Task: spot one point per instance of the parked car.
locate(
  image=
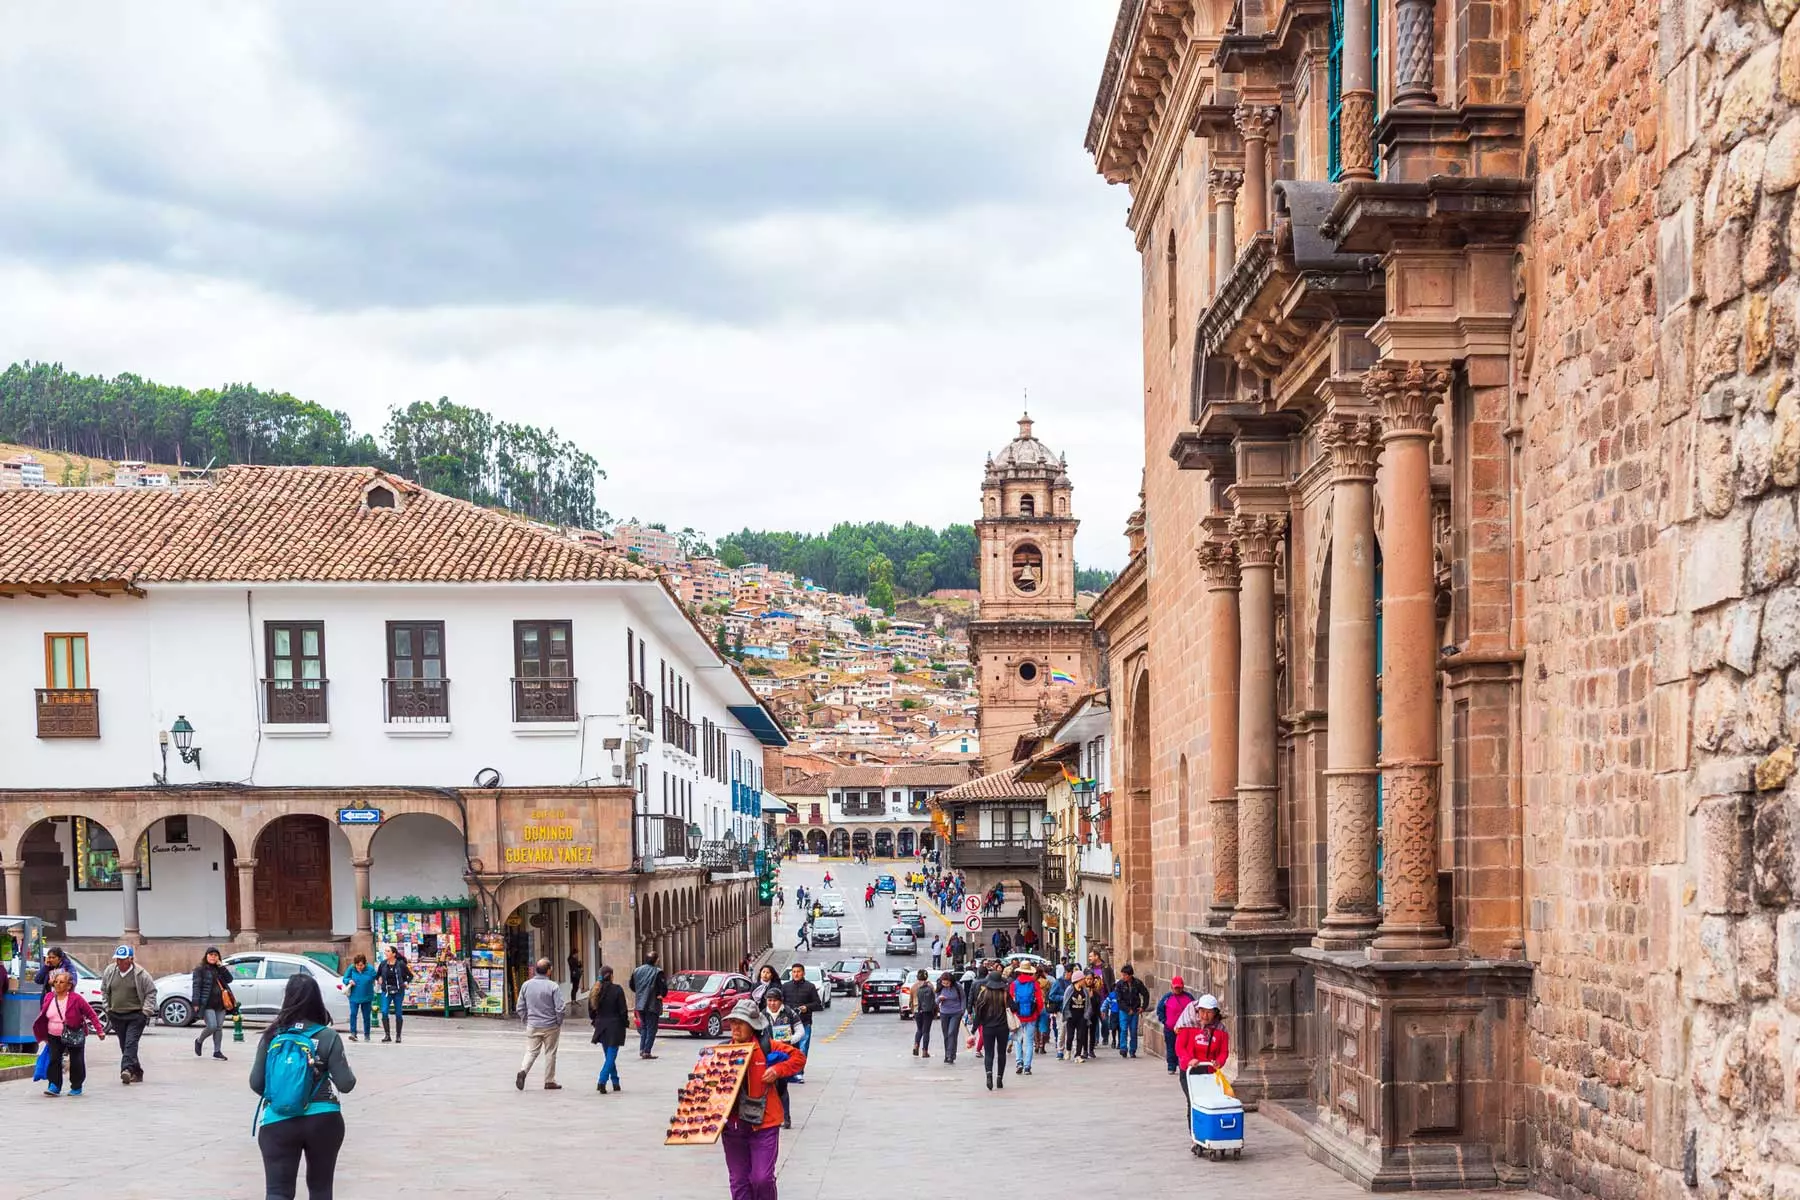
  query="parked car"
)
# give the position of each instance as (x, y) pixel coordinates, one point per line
(900, 940)
(698, 1001)
(847, 974)
(832, 904)
(884, 883)
(914, 921)
(259, 981)
(882, 988)
(1042, 964)
(87, 980)
(816, 973)
(827, 932)
(905, 902)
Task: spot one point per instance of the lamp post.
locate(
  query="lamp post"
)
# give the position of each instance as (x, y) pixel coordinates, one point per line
(183, 734)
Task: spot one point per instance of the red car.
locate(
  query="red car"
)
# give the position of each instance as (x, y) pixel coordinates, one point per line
(698, 1001)
(847, 975)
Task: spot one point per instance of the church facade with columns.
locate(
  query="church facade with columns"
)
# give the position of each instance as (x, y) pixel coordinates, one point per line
(1455, 741)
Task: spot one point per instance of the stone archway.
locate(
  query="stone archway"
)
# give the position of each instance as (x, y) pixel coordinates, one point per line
(859, 842)
(816, 842)
(927, 840)
(884, 843)
(65, 861)
(906, 843)
(796, 842)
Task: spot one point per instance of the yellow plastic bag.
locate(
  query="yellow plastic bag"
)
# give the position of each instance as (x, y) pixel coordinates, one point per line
(1224, 1084)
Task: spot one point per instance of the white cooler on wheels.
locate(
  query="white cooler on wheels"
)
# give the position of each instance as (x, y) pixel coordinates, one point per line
(1215, 1119)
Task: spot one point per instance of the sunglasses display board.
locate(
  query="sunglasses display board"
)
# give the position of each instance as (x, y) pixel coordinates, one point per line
(705, 1100)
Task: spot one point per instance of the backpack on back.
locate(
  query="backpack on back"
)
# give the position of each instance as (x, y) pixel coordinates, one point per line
(1025, 998)
(291, 1071)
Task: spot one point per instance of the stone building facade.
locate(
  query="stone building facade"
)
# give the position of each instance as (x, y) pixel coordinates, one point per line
(1462, 731)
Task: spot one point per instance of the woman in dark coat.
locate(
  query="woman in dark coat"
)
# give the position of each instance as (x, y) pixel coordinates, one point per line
(212, 983)
(610, 1011)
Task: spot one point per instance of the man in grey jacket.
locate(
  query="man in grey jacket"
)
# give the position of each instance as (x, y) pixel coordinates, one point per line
(130, 995)
(541, 1007)
(648, 987)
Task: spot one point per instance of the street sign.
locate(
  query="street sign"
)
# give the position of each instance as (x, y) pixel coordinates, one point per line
(359, 816)
(971, 904)
(972, 922)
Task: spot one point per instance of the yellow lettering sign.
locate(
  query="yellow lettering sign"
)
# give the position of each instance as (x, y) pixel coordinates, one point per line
(547, 856)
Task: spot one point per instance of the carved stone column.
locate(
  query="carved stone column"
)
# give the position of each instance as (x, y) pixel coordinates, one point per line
(128, 884)
(1408, 393)
(1259, 538)
(1255, 122)
(1219, 561)
(246, 871)
(1356, 110)
(15, 887)
(1224, 183)
(1350, 771)
(1415, 48)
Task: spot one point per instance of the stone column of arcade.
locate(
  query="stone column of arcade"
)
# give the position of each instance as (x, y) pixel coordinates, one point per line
(246, 870)
(128, 885)
(1408, 394)
(1254, 122)
(1258, 537)
(1350, 770)
(1219, 562)
(15, 888)
(364, 941)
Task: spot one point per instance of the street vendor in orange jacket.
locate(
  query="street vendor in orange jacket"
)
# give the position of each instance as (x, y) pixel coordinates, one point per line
(752, 1146)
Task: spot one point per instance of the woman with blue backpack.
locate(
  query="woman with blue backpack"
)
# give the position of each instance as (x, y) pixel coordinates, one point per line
(299, 1062)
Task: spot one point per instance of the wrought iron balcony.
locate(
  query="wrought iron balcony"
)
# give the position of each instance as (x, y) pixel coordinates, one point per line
(663, 837)
(414, 701)
(543, 700)
(295, 702)
(68, 712)
(1025, 855)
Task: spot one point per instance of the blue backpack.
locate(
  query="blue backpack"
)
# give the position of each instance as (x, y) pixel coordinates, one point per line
(291, 1072)
(1058, 990)
(1025, 996)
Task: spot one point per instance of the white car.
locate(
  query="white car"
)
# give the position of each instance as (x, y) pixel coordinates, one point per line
(905, 902)
(258, 980)
(87, 980)
(831, 904)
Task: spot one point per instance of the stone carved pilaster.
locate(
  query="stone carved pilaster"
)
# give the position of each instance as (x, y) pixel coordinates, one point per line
(1255, 122)
(1223, 183)
(1258, 537)
(1409, 394)
(1354, 443)
(1219, 563)
(1415, 45)
(1356, 136)
(1350, 868)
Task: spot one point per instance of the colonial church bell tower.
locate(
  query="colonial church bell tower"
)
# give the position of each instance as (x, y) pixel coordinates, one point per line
(1029, 649)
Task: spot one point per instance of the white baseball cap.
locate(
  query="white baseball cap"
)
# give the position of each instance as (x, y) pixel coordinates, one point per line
(1208, 1001)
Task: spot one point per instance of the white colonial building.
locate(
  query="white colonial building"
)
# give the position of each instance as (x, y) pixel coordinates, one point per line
(263, 707)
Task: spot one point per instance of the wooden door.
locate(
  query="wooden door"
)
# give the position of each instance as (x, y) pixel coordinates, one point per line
(234, 909)
(293, 877)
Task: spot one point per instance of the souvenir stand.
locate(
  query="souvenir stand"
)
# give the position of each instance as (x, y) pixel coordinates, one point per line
(487, 974)
(22, 951)
(434, 937)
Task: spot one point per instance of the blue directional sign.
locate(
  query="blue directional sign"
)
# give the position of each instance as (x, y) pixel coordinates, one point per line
(359, 816)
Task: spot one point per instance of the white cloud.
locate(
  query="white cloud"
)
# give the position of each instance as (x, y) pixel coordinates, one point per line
(775, 265)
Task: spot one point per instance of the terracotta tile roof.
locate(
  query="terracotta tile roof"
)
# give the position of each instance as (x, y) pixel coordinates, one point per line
(1001, 785)
(265, 524)
(922, 774)
(806, 785)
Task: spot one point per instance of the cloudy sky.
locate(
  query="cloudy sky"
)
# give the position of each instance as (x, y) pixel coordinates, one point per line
(776, 263)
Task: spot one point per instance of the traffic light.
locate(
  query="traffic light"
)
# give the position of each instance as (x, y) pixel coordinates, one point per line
(765, 889)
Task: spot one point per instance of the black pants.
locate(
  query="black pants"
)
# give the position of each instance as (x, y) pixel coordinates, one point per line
(993, 1049)
(922, 1036)
(130, 1029)
(1078, 1037)
(77, 1056)
(319, 1137)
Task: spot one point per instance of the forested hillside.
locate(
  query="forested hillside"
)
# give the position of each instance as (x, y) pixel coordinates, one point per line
(451, 448)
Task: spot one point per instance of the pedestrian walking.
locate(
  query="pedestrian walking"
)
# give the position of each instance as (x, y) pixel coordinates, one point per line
(1130, 998)
(575, 974)
(1025, 998)
(1077, 1035)
(766, 977)
(951, 1008)
(391, 977)
(988, 1016)
(925, 1011)
(803, 939)
(648, 987)
(541, 1007)
(359, 982)
(1054, 996)
(610, 1012)
(63, 1023)
(802, 995)
(784, 1026)
(1201, 1037)
(1174, 1002)
(937, 952)
(299, 1071)
(130, 995)
(212, 999)
(751, 1138)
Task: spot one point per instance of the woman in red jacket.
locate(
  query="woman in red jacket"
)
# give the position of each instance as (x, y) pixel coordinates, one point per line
(751, 1147)
(62, 1011)
(1200, 1037)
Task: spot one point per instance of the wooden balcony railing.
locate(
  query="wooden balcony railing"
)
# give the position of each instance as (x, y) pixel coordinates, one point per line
(1055, 875)
(295, 702)
(678, 731)
(1024, 855)
(416, 701)
(543, 700)
(663, 837)
(68, 712)
(643, 704)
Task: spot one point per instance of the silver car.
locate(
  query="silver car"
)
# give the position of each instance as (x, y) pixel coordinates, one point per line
(900, 940)
(258, 980)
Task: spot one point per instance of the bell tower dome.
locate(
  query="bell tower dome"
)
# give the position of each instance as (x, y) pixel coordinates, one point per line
(1030, 650)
